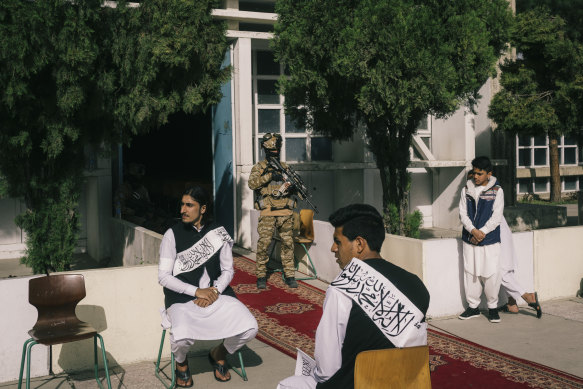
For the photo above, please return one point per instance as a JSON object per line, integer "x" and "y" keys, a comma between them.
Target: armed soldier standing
{"x": 275, "y": 200}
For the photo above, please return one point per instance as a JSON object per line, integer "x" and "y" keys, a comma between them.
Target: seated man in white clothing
{"x": 371, "y": 305}
{"x": 195, "y": 269}
{"x": 509, "y": 283}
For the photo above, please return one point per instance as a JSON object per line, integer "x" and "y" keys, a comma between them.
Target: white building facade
{"x": 336, "y": 173}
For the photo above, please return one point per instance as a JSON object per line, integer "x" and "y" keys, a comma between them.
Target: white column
{"x": 243, "y": 136}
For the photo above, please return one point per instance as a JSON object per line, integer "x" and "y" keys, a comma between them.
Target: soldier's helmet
{"x": 271, "y": 143}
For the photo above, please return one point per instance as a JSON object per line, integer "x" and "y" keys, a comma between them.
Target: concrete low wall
{"x": 526, "y": 217}
{"x": 133, "y": 245}
{"x": 122, "y": 304}
{"x": 443, "y": 273}
{"x": 549, "y": 261}
{"x": 558, "y": 261}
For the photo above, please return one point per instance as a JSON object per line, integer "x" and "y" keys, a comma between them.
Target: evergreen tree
{"x": 74, "y": 74}
{"x": 542, "y": 86}
{"x": 386, "y": 65}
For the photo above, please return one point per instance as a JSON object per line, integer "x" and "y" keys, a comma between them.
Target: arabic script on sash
{"x": 392, "y": 312}
{"x": 201, "y": 251}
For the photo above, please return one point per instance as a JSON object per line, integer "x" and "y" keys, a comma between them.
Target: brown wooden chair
{"x": 393, "y": 368}
{"x": 55, "y": 298}
{"x": 306, "y": 237}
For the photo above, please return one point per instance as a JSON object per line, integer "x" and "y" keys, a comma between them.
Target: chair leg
{"x": 297, "y": 263}
{"x": 242, "y": 373}
{"x": 173, "y": 365}
{"x": 28, "y": 349}
{"x": 104, "y": 361}
{"x": 22, "y": 361}
{"x": 24, "y": 357}
{"x": 311, "y": 263}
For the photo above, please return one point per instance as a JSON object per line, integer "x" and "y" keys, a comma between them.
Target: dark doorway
{"x": 166, "y": 161}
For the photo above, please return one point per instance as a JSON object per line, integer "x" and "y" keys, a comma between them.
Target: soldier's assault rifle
{"x": 293, "y": 178}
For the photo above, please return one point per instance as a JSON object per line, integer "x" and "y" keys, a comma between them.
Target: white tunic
{"x": 481, "y": 261}
{"x": 224, "y": 318}
{"x": 329, "y": 338}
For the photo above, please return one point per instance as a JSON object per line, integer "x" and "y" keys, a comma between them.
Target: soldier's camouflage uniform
{"x": 276, "y": 212}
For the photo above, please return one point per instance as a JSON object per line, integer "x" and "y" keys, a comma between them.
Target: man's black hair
{"x": 360, "y": 220}
{"x": 482, "y": 163}
{"x": 200, "y": 195}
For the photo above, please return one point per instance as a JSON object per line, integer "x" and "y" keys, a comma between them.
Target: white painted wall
{"x": 447, "y": 186}
{"x": 483, "y": 125}
{"x": 11, "y": 237}
{"x": 121, "y": 303}
{"x": 421, "y": 195}
{"x": 558, "y": 261}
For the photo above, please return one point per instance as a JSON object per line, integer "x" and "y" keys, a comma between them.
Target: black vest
{"x": 185, "y": 236}
{"x": 361, "y": 332}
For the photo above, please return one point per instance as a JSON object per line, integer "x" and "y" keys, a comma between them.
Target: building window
{"x": 533, "y": 151}
{"x": 541, "y": 185}
{"x": 424, "y": 132}
{"x": 568, "y": 151}
{"x": 570, "y": 183}
{"x": 524, "y": 185}
{"x": 299, "y": 144}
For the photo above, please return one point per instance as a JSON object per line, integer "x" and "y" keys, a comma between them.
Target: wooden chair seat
{"x": 302, "y": 240}
{"x": 62, "y": 334}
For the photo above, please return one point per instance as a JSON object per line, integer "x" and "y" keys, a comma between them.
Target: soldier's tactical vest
{"x": 268, "y": 199}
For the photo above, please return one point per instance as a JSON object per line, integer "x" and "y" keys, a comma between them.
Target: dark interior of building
{"x": 158, "y": 166}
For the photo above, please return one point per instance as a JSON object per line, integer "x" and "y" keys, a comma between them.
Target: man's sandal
{"x": 222, "y": 369}
{"x": 536, "y": 306}
{"x": 185, "y": 376}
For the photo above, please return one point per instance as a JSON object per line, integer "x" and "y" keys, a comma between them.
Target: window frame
{"x": 307, "y": 134}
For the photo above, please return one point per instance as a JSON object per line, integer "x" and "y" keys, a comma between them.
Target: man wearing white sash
{"x": 371, "y": 305}
{"x": 195, "y": 269}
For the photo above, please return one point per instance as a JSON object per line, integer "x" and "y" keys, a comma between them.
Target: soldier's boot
{"x": 291, "y": 282}
{"x": 262, "y": 283}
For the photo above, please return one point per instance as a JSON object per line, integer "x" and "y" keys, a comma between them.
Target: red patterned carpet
{"x": 288, "y": 319}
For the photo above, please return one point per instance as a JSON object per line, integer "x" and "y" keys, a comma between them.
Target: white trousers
{"x": 511, "y": 285}
{"x": 473, "y": 286}
{"x": 180, "y": 348}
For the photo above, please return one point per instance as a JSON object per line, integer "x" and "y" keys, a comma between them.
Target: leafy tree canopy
{"x": 78, "y": 73}
{"x": 543, "y": 86}
{"x": 386, "y": 64}
{"x": 571, "y": 11}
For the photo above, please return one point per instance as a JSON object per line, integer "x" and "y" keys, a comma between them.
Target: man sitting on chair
{"x": 196, "y": 267}
{"x": 372, "y": 304}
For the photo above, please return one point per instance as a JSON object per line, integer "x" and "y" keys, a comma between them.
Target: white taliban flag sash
{"x": 201, "y": 251}
{"x": 392, "y": 312}
{"x": 305, "y": 364}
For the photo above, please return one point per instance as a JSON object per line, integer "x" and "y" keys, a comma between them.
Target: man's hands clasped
{"x": 206, "y": 296}
{"x": 477, "y": 236}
